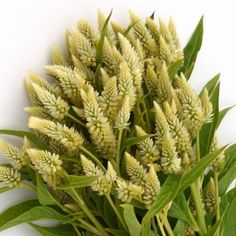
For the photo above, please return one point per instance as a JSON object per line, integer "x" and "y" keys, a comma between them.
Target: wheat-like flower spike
{"x": 173, "y": 33}
{"x": 191, "y": 109}
{"x": 144, "y": 35}
{"x": 39, "y": 112}
{"x": 55, "y": 106}
{"x": 89, "y": 167}
{"x": 218, "y": 162}
{"x": 134, "y": 169}
{"x": 123, "y": 115}
{"x": 48, "y": 165}
{"x": 103, "y": 183}
{"x": 177, "y": 129}
{"x": 71, "y": 43}
{"x": 210, "y": 193}
{"x": 109, "y": 97}
{"x": 85, "y": 28}
{"x": 13, "y": 154}
{"x": 139, "y": 50}
{"x": 154, "y": 29}
{"x": 111, "y": 174}
{"x": 9, "y": 176}
{"x": 69, "y": 137}
{"x": 125, "y": 84}
{"x": 164, "y": 32}
{"x": 99, "y": 128}
{"x": 161, "y": 124}
{"x": 33, "y": 98}
{"x": 151, "y": 187}
{"x": 206, "y": 106}
{"x": 70, "y": 81}
{"x": 85, "y": 50}
{"x": 117, "y": 28}
{"x": 111, "y": 57}
{"x": 57, "y": 56}
{"x": 170, "y": 162}
{"x": 42, "y": 82}
{"x": 148, "y": 151}
{"x": 126, "y": 191}
{"x": 133, "y": 61}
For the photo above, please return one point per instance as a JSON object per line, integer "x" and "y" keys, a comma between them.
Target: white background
{"x": 29, "y": 27}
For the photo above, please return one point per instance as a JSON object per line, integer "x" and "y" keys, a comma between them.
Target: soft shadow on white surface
{"x": 29, "y": 27}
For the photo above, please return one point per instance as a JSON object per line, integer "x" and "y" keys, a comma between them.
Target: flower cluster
{"x": 118, "y": 107}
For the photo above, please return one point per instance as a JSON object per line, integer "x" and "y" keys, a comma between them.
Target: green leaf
{"x": 60, "y": 230}
{"x": 99, "y": 51}
{"x": 5, "y": 189}
{"x": 117, "y": 232}
{"x": 32, "y": 137}
{"x": 134, "y": 140}
{"x": 230, "y": 160}
{"x": 189, "y": 71}
{"x": 199, "y": 169}
{"x": 16, "y": 211}
{"x": 230, "y": 219}
{"x": 174, "y": 68}
{"x": 11, "y": 217}
{"x": 44, "y": 196}
{"x": 179, "y": 228}
{"x": 75, "y": 181}
{"x": 179, "y": 209}
{"x": 225, "y": 182}
{"x": 223, "y": 113}
{"x": 193, "y": 46}
{"x": 168, "y": 192}
{"x": 208, "y": 130}
{"x": 131, "y": 220}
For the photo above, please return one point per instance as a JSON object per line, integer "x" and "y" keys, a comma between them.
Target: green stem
{"x": 199, "y": 208}
{"x": 76, "y": 120}
{"x": 166, "y": 222}
{"x": 117, "y": 212}
{"x": 194, "y": 224}
{"x": 86, "y": 210}
{"x": 160, "y": 226}
{"x": 89, "y": 226}
{"x": 118, "y": 149}
{"x": 93, "y": 157}
{"x": 76, "y": 230}
{"x": 154, "y": 227}
{"x": 28, "y": 186}
{"x": 217, "y": 196}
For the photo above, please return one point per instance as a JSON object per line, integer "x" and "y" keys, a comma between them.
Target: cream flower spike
{"x": 9, "y": 176}
{"x": 13, "y": 154}
{"x": 122, "y": 118}
{"x": 151, "y": 187}
{"x": 148, "y": 151}
{"x": 126, "y": 191}
{"x": 70, "y": 81}
{"x": 57, "y": 56}
{"x": 126, "y": 85}
{"x": 144, "y": 35}
{"x": 99, "y": 128}
{"x": 48, "y": 165}
{"x": 133, "y": 61}
{"x": 68, "y": 137}
{"x": 56, "y": 107}
{"x": 134, "y": 169}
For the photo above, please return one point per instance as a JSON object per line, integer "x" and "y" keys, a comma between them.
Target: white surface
{"x": 29, "y": 27}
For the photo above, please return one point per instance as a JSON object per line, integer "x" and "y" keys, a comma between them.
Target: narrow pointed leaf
{"x": 131, "y": 220}
{"x": 75, "y": 181}
{"x": 193, "y": 46}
